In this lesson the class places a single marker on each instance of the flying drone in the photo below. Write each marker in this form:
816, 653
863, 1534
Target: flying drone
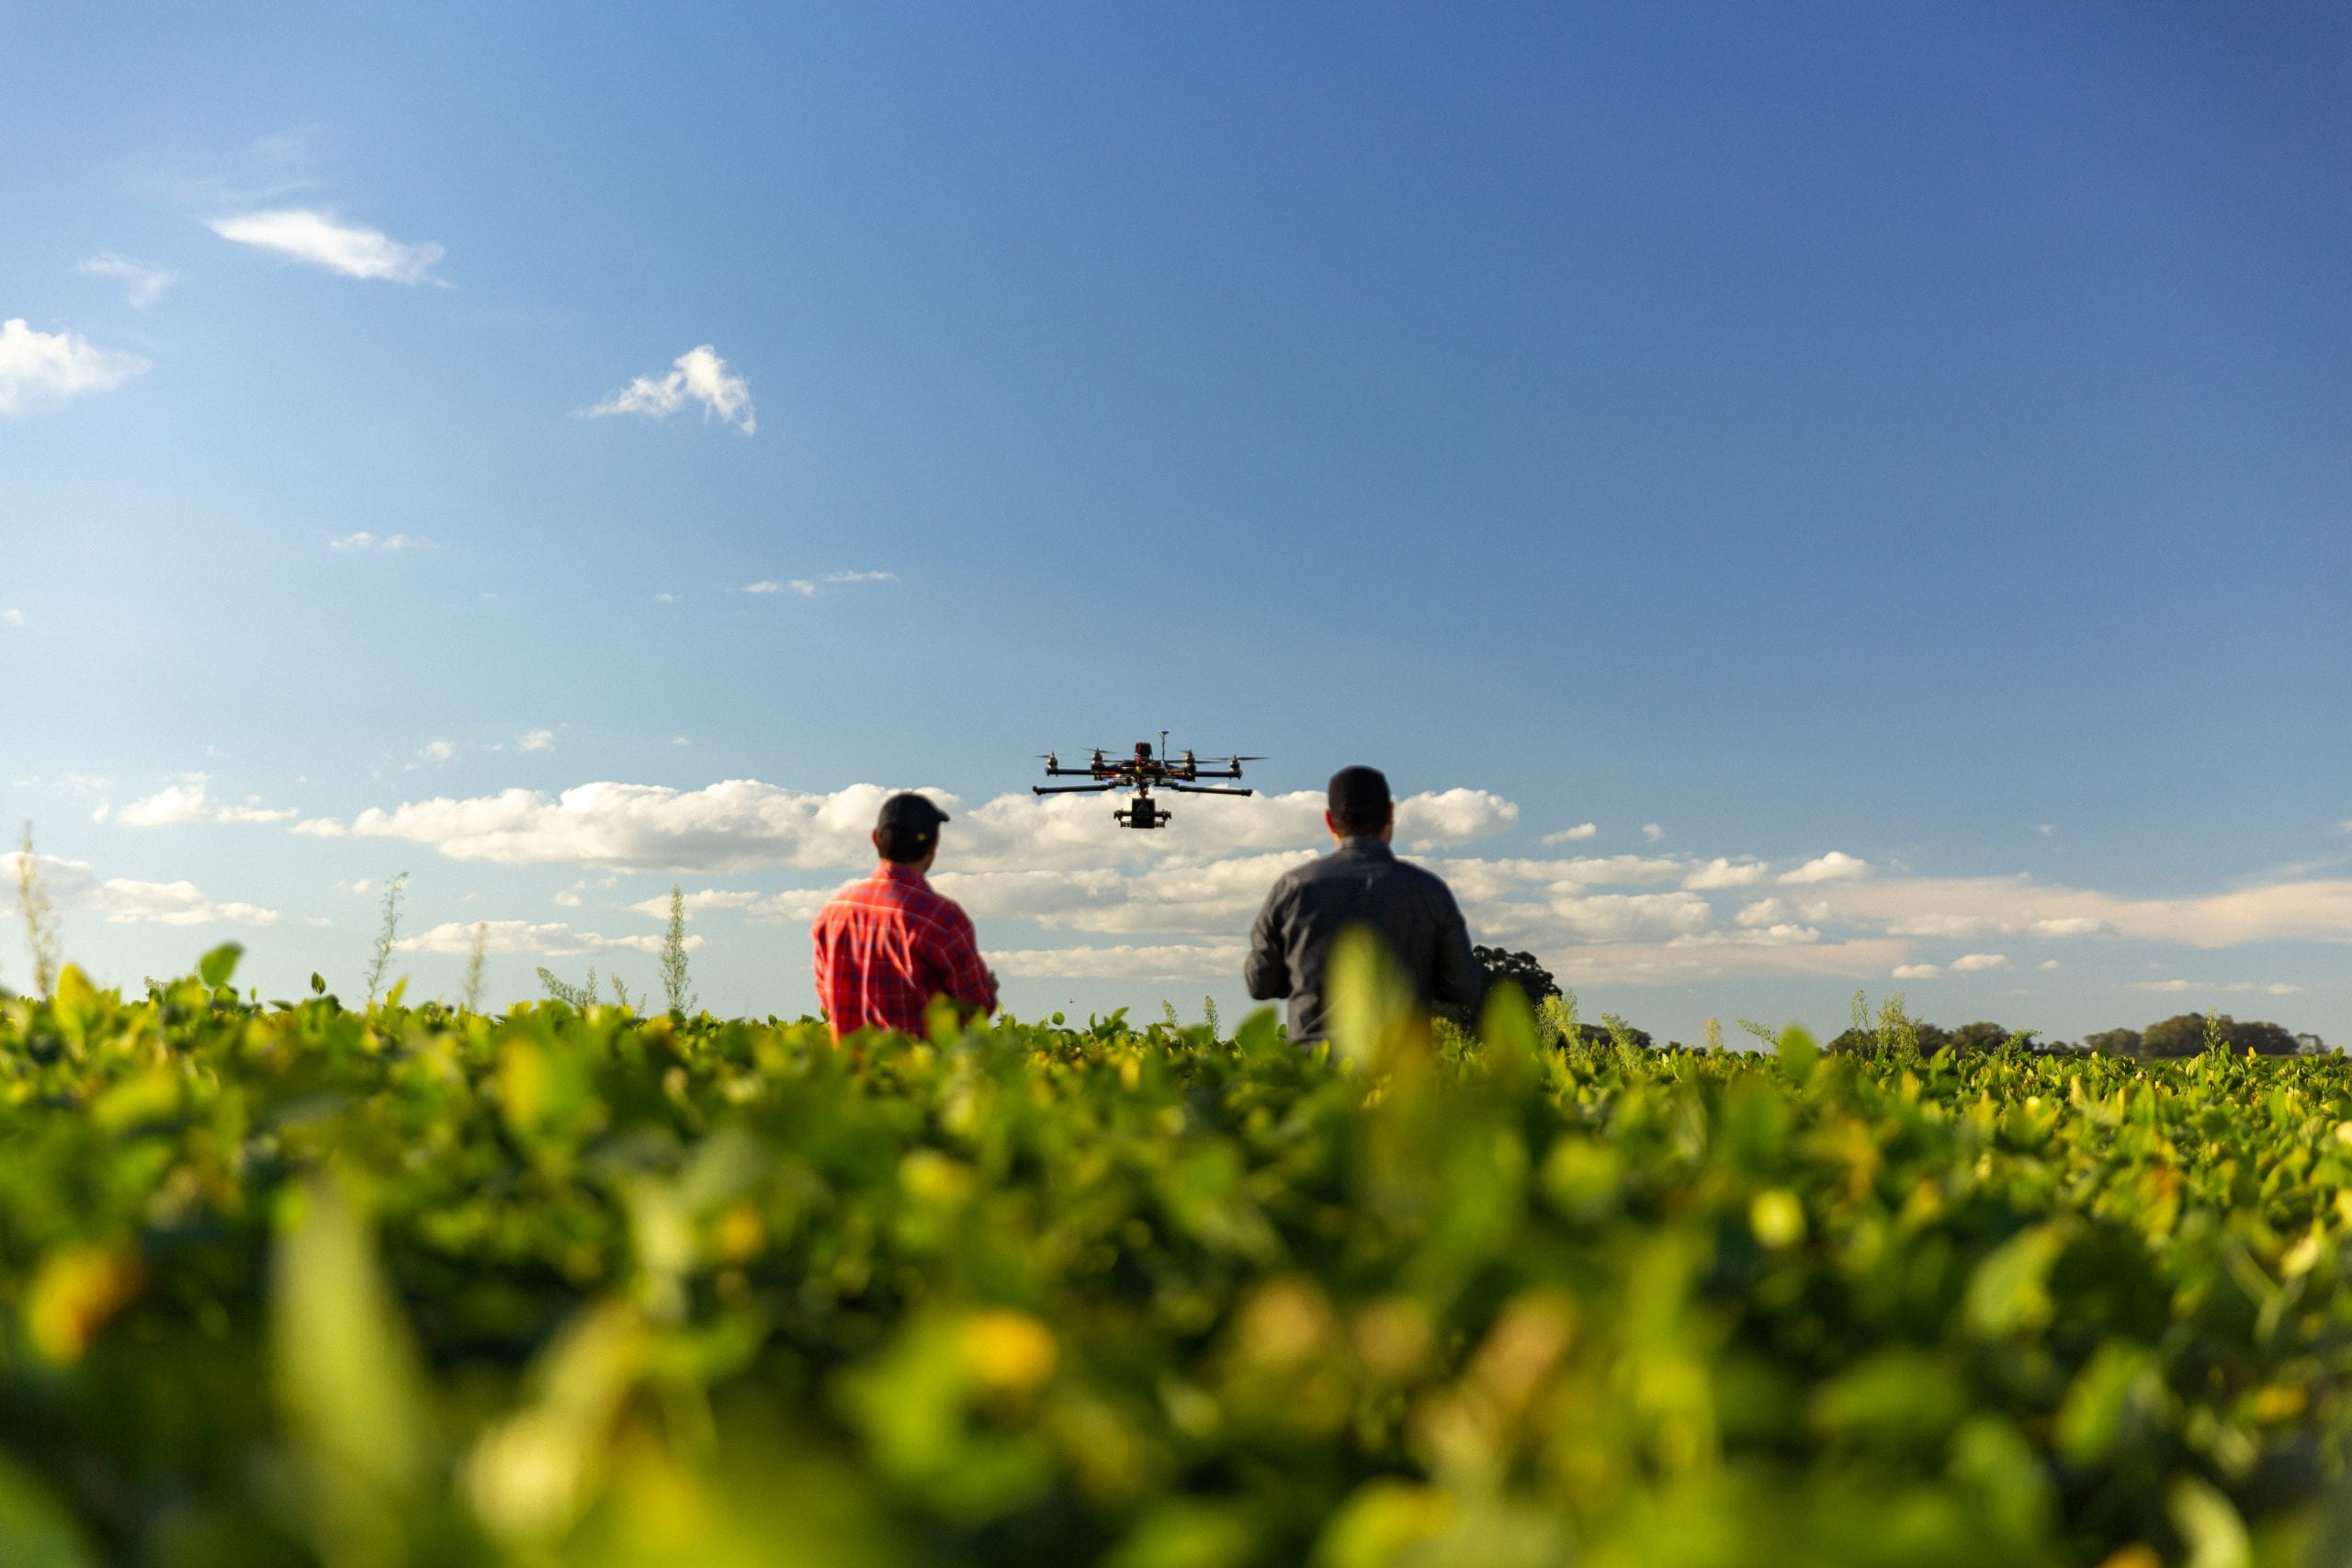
1143, 772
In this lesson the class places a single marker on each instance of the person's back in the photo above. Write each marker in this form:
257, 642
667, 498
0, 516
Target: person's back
1360, 883
886, 946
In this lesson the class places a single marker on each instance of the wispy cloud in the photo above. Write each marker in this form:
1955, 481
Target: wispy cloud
538, 740
324, 239
12, 618
1653, 832
363, 541
1977, 963
810, 587
40, 368
1582, 831
144, 285
2276, 989
189, 801
700, 377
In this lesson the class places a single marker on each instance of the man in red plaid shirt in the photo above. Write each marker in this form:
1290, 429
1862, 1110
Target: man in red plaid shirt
888, 945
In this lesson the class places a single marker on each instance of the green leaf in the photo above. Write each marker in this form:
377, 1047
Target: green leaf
35, 1530
215, 968
2010, 1291
344, 1370
2208, 1523
1797, 1052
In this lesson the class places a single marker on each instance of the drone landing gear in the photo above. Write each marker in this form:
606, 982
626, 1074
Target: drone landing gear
1142, 812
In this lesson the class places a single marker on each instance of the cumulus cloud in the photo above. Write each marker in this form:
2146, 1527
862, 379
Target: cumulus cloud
538, 740
1976, 962
1453, 816
321, 239
457, 938
13, 619
71, 885
743, 824
699, 377
1581, 831
143, 284
189, 801
1722, 872
1918, 970
439, 750
1834, 866
363, 541
1188, 962
765, 585
1653, 832
39, 369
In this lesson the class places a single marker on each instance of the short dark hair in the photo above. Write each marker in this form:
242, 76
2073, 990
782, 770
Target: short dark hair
1359, 799
903, 845
908, 826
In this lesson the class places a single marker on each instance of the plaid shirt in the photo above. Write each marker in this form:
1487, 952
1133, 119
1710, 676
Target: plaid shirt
886, 946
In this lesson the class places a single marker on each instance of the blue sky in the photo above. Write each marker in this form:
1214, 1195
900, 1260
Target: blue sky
1915, 435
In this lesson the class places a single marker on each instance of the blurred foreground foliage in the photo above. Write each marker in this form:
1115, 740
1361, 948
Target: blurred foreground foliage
297, 1283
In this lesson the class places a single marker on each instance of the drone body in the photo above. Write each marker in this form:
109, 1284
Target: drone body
1142, 772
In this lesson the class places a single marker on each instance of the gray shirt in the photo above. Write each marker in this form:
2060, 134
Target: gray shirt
1360, 882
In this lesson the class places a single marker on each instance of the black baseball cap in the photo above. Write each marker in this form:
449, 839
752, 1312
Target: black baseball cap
911, 813
1360, 794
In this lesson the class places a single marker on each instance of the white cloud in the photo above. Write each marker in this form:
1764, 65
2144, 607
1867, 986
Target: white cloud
363, 541
743, 824
2272, 989
1453, 816
38, 370
2047, 963
438, 750
322, 240
1834, 866
12, 618
1916, 971
700, 377
808, 588
2316, 909
697, 903
1975, 963
538, 740
189, 801
1582, 831
2044, 828
71, 885
146, 284
1187, 962
1722, 872
1653, 832
765, 585
457, 938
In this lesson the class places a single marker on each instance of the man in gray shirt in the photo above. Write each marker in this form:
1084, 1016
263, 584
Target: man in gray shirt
1360, 883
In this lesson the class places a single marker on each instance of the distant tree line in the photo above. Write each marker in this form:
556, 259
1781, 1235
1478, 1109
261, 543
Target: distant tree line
2184, 1035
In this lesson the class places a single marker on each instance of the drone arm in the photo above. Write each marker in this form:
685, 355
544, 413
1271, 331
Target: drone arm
1207, 789
1070, 789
